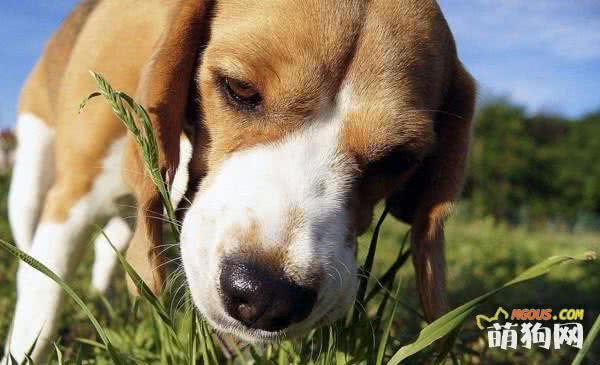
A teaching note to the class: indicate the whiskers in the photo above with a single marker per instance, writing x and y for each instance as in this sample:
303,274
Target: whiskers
180,298
153,215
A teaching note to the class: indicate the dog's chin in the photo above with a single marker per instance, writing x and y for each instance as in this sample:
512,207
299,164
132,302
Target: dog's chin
251,335
234,328
224,324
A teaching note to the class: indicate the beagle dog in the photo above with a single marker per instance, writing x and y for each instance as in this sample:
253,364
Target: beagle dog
301,115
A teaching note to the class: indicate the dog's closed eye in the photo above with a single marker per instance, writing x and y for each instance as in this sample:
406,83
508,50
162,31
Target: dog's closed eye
396,162
240,94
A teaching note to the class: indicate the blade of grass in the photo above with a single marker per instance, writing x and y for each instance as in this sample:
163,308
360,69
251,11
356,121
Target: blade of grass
122,104
147,294
109,308
141,286
258,359
587,344
377,322
210,345
386,331
70,292
193,339
209,354
59,356
91,343
13,361
238,353
387,278
368,266
31,348
454,319
78,360
446,345
150,147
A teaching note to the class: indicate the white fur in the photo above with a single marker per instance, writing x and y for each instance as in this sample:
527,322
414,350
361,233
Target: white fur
305,170
58,246
180,181
119,233
31,177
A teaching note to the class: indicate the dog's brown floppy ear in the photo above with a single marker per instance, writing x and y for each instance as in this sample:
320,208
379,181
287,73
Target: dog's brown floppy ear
164,90
428,196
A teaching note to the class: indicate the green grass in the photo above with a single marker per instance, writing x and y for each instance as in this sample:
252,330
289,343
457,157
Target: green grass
482,257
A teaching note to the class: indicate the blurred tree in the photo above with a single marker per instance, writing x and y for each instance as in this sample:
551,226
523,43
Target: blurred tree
501,156
544,199
534,169
579,173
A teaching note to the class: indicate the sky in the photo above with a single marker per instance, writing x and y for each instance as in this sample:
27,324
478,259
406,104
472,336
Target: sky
541,54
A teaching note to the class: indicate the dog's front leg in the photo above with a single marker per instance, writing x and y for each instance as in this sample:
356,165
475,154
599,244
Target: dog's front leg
39,299
118,233
58,242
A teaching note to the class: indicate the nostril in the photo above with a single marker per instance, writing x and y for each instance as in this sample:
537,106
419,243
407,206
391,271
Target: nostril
263,299
239,288
247,313
292,304
304,301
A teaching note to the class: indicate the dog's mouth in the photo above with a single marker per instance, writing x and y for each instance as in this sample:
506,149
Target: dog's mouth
253,306
323,314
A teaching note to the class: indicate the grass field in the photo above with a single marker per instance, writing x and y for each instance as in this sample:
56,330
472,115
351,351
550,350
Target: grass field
481,256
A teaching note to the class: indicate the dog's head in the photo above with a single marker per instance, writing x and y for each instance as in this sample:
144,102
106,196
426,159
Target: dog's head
306,114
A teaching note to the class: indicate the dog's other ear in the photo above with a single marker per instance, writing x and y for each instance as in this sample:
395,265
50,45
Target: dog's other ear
164,90
427,198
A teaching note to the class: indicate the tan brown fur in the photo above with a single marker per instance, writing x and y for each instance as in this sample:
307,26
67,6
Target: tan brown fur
61,79
427,200
164,90
38,94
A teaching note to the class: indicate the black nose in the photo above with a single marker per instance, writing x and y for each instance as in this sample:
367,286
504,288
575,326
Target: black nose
262,298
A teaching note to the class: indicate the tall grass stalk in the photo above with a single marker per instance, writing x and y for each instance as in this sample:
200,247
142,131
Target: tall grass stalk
124,107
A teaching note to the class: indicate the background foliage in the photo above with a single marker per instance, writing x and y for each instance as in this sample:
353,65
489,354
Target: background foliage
535,169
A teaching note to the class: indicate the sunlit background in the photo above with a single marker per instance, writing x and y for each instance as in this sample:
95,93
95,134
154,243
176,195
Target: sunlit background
543,54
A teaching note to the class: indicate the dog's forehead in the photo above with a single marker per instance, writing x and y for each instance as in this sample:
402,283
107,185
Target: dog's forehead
297,20
390,55
280,38
326,33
